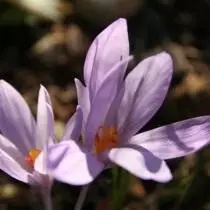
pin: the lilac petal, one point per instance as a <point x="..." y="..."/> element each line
<point x="40" y="164"/>
<point x="45" y="119"/>
<point x="109" y="47"/>
<point x="74" y="126"/>
<point x="177" y="139"/>
<point x="12" y="160"/>
<point x="104" y="98"/>
<point x="73" y="165"/>
<point x="145" y="90"/>
<point x="45" y="129"/>
<point x="83" y="99"/>
<point x="141" y="163"/>
<point x="111" y="117"/>
<point x="8" y="147"/>
<point x="16" y="120"/>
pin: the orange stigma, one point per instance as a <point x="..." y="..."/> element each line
<point x="31" y="157"/>
<point x="106" y="138"/>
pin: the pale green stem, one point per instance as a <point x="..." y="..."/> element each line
<point x="47" y="200"/>
<point x="81" y="199"/>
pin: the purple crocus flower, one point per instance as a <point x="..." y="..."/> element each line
<point x="112" y="108"/>
<point x="24" y="142"/>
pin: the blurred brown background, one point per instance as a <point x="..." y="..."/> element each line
<point x="45" y="41"/>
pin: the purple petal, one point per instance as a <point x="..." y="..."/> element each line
<point x="111" y="117"/>
<point x="103" y="100"/>
<point x="109" y="47"/>
<point x="74" y="126"/>
<point x="141" y="163"/>
<point x="83" y="99"/>
<point x="73" y="165"/>
<point x="45" y="119"/>
<point x="12" y="160"/>
<point x="40" y="164"/>
<point x="8" y="147"/>
<point x="145" y="90"/>
<point x="16" y="120"/>
<point x="177" y="139"/>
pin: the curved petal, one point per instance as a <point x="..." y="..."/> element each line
<point x="74" y="126"/>
<point x="104" y="98"/>
<point x="141" y="163"/>
<point x="16" y="120"/>
<point x="177" y="139"/>
<point x="12" y="160"/>
<point x="109" y="47"/>
<point x="145" y="90"/>
<point x="83" y="100"/>
<point x="45" y="119"/>
<point x="73" y="165"/>
<point x="8" y="147"/>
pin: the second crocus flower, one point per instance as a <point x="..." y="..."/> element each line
<point x="24" y="142"/>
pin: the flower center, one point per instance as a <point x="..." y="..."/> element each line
<point x="106" y="138"/>
<point x="31" y="157"/>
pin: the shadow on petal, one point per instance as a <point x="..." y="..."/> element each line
<point x="152" y="163"/>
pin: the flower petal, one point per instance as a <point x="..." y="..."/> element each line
<point x="145" y="90"/>
<point x="103" y="100"/>
<point x="83" y="100"/>
<point x="109" y="47"/>
<point x="40" y="164"/>
<point x="12" y="160"/>
<point x="74" y="126"/>
<point x="177" y="139"/>
<point x="73" y="165"/>
<point x="16" y="120"/>
<point x="141" y="163"/>
<point x="8" y="147"/>
<point x="45" y="119"/>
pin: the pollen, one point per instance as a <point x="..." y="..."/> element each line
<point x="31" y="157"/>
<point x="105" y="139"/>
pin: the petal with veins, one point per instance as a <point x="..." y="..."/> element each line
<point x="16" y="120"/>
<point x="177" y="139"/>
<point x="145" y="90"/>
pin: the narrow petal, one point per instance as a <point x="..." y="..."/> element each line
<point x="177" y="139"/>
<point x="45" y="129"/>
<point x="141" y="163"/>
<point x="74" y="126"/>
<point x="83" y="100"/>
<point x="40" y="164"/>
<point x="103" y="100"/>
<point x="111" y="117"/>
<point x="45" y="119"/>
<point x="16" y="120"/>
<point x="12" y="160"/>
<point x="73" y="165"/>
<point x="109" y="47"/>
<point x="145" y="90"/>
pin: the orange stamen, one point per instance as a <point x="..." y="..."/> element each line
<point x="31" y="157"/>
<point x="106" y="138"/>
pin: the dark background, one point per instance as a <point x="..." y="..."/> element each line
<point x="36" y="50"/>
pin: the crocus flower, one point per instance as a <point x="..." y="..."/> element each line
<point x="24" y="142"/>
<point x="112" y="108"/>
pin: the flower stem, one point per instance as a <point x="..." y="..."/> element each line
<point x="81" y="199"/>
<point x="47" y="200"/>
